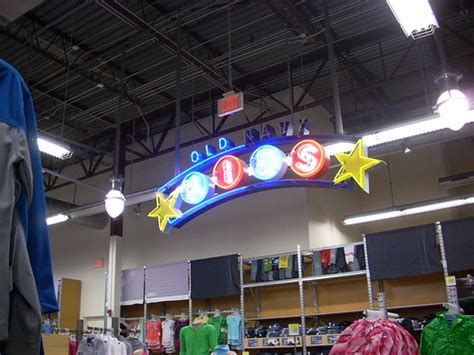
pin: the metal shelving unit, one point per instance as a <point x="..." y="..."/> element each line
<point x="300" y="281"/>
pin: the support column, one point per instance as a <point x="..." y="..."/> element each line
<point x="115" y="271"/>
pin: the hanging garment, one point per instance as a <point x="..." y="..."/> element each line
<point x="220" y="324"/>
<point x="360" y="255"/>
<point x="18" y="113"/>
<point x="374" y="338"/>
<point x="324" y="256"/>
<point x="316" y="260"/>
<point x="26" y="279"/>
<point x="253" y="270"/>
<point x="289" y="270"/>
<point x="234" y="332"/>
<point x="178" y="325"/>
<point x="350" y="256"/>
<point x="153" y="335"/>
<point x="92" y="345"/>
<point x="446" y="337"/>
<point x="336" y="261"/>
<point x="167" y="340"/>
<point x="198" y="341"/>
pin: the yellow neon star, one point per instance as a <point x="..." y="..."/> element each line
<point x="166" y="209"/>
<point x="355" y="165"/>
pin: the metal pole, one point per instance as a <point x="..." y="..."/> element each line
<point x="290" y="83"/>
<point x="451" y="289"/>
<point x="118" y="125"/>
<point x="190" y="301"/>
<point x="79" y="330"/>
<point x="60" y="285"/>
<point x="145" y="306"/>
<point x="301" y="291"/>
<point x="381" y="300"/>
<point x="367" y="272"/>
<point x="177" y="118"/>
<point x="106" y="303"/>
<point x="441" y="52"/>
<point x="229" y="44"/>
<point x="242" y="305"/>
<point x="332" y="65"/>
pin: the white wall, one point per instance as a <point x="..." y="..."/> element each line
<point x="259" y="224"/>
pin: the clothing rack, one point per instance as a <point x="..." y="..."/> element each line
<point x="155" y="316"/>
<point x="99" y="330"/>
<point x="56" y="330"/>
<point x="226" y="311"/>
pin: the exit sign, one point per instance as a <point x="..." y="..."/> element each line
<point x="232" y="102"/>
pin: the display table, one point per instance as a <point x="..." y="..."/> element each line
<point x="56" y="344"/>
<point x="289" y="341"/>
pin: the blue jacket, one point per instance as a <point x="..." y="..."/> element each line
<point x="17" y="111"/>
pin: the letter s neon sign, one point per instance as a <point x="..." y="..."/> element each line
<point x="308" y="159"/>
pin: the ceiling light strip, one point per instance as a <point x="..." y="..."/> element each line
<point x="408" y="210"/>
<point x="433" y="124"/>
<point x="55" y="149"/>
<point x="59" y="218"/>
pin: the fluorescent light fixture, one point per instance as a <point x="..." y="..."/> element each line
<point x="55" y="149"/>
<point x="453" y="108"/>
<point x="414" y="16"/>
<point x="59" y="218"/>
<point x="409" y="210"/>
<point x="392" y="134"/>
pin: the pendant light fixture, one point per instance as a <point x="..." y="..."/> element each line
<point x="115" y="200"/>
<point x="452" y="105"/>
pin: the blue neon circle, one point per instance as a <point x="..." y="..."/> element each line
<point x="196" y="187"/>
<point x="268" y="162"/>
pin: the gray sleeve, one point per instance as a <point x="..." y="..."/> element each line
<point x="13" y="156"/>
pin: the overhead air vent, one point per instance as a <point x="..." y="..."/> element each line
<point x="453" y="181"/>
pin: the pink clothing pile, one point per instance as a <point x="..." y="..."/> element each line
<point x="375" y="337"/>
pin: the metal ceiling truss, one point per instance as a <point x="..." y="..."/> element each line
<point x="258" y="120"/>
<point x="152" y="133"/>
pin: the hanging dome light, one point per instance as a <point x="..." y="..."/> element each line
<point x="453" y="108"/>
<point x="114" y="203"/>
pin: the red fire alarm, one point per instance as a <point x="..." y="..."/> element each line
<point x="99" y="263"/>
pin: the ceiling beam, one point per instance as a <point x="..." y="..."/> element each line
<point x="127" y="16"/>
<point x="34" y="44"/>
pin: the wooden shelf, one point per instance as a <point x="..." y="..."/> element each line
<point x="290" y="342"/>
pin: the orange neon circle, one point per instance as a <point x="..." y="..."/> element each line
<point x="228" y="182"/>
<point x="304" y="167"/>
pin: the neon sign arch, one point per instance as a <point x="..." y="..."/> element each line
<point x="235" y="171"/>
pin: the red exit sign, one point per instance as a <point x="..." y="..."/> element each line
<point x="231" y="103"/>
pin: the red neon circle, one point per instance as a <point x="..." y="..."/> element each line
<point x="309" y="159"/>
<point x="229" y="172"/>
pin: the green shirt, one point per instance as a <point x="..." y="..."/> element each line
<point x="197" y="342"/>
<point x="219" y="324"/>
<point x="267" y="264"/>
<point x="442" y="337"/>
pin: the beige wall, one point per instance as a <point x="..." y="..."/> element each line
<point x="414" y="178"/>
<point x="259" y="224"/>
